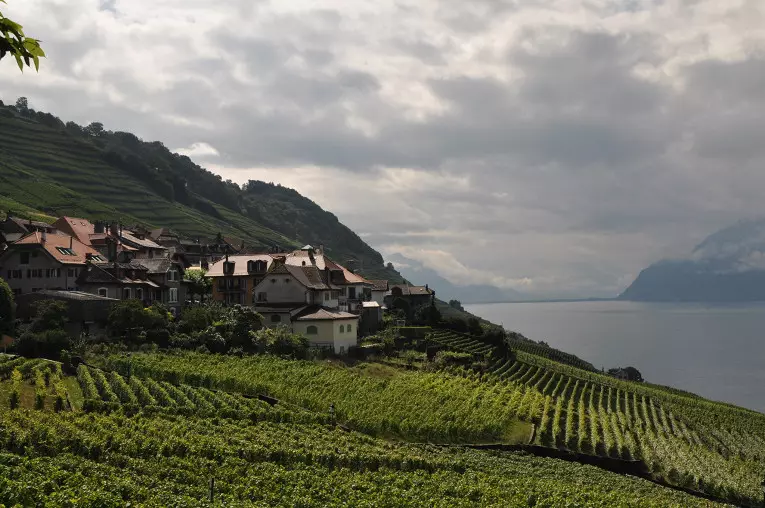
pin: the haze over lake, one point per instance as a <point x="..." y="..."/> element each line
<point x="714" y="350"/>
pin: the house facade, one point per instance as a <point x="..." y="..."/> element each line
<point x="119" y="280"/>
<point x="42" y="260"/>
<point x="234" y="277"/>
<point x="168" y="275"/>
<point x="303" y="289"/>
<point x="303" y="298"/>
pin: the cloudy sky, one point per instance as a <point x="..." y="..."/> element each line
<point x="554" y="147"/>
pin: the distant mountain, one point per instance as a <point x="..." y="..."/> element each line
<point x="728" y="266"/>
<point x="417" y="273"/>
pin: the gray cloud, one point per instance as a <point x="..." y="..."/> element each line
<point x="568" y="143"/>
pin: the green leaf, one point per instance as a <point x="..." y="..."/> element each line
<point x="18" y="60"/>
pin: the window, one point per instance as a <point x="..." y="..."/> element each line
<point x="311" y="330"/>
<point x="126" y="294"/>
<point x="16" y="292"/>
<point x="350" y="328"/>
<point x="139" y="293"/>
<point x="276" y="318"/>
<point x="71" y="272"/>
<point x="351" y="293"/>
<point x="342" y="329"/>
<point x="103" y="292"/>
<point x="243" y="282"/>
<point x="326" y="297"/>
<point x="24" y="258"/>
<point x="262" y="297"/>
<point x="303" y="263"/>
<point x="286" y="281"/>
<point x="173" y="295"/>
<point x="66" y="251"/>
<point x="273" y="281"/>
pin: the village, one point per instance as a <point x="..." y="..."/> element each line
<point x="91" y="265"/>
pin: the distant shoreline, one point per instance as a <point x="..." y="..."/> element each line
<point x="554" y="300"/>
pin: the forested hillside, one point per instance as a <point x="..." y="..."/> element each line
<point x="54" y="168"/>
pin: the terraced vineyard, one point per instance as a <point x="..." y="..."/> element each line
<point x="151" y="442"/>
<point x="468" y="344"/>
<point x="573" y="409"/>
<point x="590" y="413"/>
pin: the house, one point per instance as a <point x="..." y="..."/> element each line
<point x="21" y="226"/>
<point x="100" y="235"/>
<point x="303" y="289"/>
<point x="168" y="275"/>
<point x="378" y="291"/>
<point x="305" y="299"/>
<point x="353" y="288"/>
<point x="408" y="298"/>
<point x="371" y="318"/>
<point x="86" y="313"/>
<point x="119" y="280"/>
<point x="41" y="260"/>
<point x="234" y="277"/>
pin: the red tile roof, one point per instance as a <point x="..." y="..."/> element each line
<point x="58" y="245"/>
<point x="80" y="228"/>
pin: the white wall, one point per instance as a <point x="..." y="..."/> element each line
<point x="329" y="332"/>
<point x="281" y="291"/>
<point x="379" y="297"/>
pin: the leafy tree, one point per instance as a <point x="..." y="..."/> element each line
<point x="46" y="335"/>
<point x="25" y="50"/>
<point x="49" y="315"/>
<point x="128" y="319"/>
<point x="280" y="341"/>
<point x="7" y="309"/>
<point x="198" y="283"/>
<point x="22" y="104"/>
<point x="456" y="304"/>
<point x="95" y="129"/>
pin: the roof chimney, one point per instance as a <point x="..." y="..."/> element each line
<point x="71" y="240"/>
<point x="43" y="236"/>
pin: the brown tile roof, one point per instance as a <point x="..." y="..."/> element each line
<point x="412" y="290"/>
<point x="379" y="285"/>
<point x="315" y="312"/>
<point x="57" y="245"/>
<point x="129" y="237"/>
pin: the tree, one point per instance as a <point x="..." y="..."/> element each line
<point x="280" y="341"/>
<point x="25" y="50"/>
<point x="456" y="304"/>
<point x="46" y="335"/>
<point x="198" y="284"/>
<point x="22" y="104"/>
<point x="7" y="309"/>
<point x="94" y="129"/>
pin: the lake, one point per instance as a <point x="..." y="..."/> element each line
<point x="714" y="350"/>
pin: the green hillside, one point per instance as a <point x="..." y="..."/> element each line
<point x="48" y="167"/>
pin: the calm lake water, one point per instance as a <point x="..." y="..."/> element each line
<point x="714" y="350"/>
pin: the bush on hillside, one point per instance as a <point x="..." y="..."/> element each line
<point x="7" y="309"/>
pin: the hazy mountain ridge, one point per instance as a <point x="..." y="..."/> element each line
<point x="727" y="266"/>
<point x="417" y="273"/>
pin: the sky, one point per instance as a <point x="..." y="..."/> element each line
<point x="553" y="147"/>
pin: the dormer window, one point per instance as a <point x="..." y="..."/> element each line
<point x="66" y="251"/>
<point x="228" y="267"/>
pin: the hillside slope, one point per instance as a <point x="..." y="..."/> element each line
<point x="66" y="169"/>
